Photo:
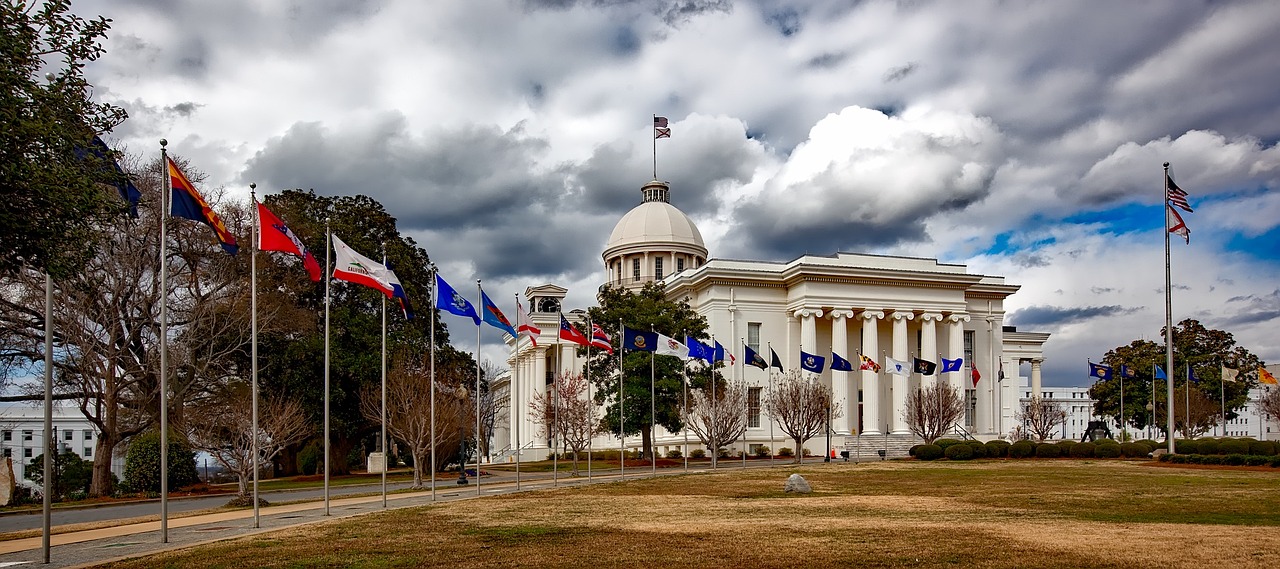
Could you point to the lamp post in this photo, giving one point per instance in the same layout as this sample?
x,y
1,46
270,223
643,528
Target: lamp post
x,y
827,455
1151,412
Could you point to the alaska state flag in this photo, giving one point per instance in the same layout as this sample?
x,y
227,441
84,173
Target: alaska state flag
x,y
1099,371
840,364
494,317
189,204
450,301
812,363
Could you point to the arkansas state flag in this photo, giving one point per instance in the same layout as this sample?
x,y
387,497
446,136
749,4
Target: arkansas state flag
x,y
189,204
599,339
570,334
273,235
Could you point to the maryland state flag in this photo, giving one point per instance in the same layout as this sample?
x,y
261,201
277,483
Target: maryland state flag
x,y
188,203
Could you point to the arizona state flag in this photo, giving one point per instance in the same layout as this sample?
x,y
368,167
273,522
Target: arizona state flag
x,y
189,204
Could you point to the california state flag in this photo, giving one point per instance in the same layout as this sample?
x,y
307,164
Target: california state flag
x,y
353,267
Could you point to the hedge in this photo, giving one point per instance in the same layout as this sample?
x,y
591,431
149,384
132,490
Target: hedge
x,y
944,443
997,448
1082,450
979,449
1135,450
1110,450
1232,446
928,452
1185,446
1022,449
1262,448
1207,446
1048,451
958,452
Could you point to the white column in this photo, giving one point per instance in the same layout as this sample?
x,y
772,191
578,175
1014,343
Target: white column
x,y
538,385
871,379
929,341
842,425
999,388
900,318
808,328
1035,377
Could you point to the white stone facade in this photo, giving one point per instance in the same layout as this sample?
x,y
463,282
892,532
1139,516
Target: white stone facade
x,y
22,436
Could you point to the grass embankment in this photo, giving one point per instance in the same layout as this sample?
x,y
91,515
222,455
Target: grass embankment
x,y
896,514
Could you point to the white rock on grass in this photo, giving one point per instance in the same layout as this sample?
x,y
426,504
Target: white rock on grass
x,y
797,484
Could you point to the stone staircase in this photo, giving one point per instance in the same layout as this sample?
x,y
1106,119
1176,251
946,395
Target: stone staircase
x,y
867,448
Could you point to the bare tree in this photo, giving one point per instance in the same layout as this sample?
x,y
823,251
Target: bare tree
x,y
932,410
493,405
1269,404
1194,413
409,407
718,420
565,414
1041,417
223,427
801,408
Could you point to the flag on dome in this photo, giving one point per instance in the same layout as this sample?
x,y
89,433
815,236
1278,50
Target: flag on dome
x,y
868,363
570,334
189,204
494,317
949,366
840,364
811,363
669,346
273,235
526,328
448,300
754,359
600,339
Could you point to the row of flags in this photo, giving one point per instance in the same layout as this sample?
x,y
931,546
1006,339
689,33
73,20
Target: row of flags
x,y
1106,373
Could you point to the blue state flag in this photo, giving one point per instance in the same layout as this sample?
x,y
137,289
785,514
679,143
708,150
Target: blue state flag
x,y
719,353
949,366
1191,376
494,317
1099,371
639,340
810,362
1127,372
450,301
1160,373
698,350
840,364
754,359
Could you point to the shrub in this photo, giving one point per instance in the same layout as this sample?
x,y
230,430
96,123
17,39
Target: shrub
x,y
785,451
697,453
142,463
1065,446
1153,444
1111,450
1256,460
958,452
928,452
1262,448
674,453
912,450
1233,459
1233,446
997,448
1275,461
1048,451
1022,449
1185,446
944,443
309,458
806,451
1135,450
71,475
1207,446
1082,450
762,451
979,449
1106,442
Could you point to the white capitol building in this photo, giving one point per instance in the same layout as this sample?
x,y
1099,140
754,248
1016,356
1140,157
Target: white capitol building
x,y
848,303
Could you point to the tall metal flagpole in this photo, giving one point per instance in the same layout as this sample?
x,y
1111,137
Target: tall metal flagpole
x,y
1122,425
328,278
746,411
653,415
684,401
772,451
164,346
1168,317
655,147
431,268
382,442
711,430
555,412
253,301
590,416
1186,394
515,387
47,507
622,432
479,294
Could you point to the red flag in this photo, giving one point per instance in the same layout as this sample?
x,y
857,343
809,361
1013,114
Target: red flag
x,y
570,334
976,376
273,235
600,339
525,327
1175,223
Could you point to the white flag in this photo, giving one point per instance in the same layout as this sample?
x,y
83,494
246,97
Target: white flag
x,y
668,346
894,366
1230,374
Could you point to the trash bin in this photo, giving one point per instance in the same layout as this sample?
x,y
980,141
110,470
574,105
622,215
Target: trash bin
x,y
881,453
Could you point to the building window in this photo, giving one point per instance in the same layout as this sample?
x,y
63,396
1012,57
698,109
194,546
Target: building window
x,y
88,435
679,264
68,435
8,452
970,410
88,452
657,268
753,407
8,435
26,453
753,336
635,269
26,435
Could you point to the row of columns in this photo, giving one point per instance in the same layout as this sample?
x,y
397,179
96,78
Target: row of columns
x,y
843,391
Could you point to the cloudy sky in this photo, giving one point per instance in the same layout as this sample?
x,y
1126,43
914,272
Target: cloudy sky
x,y
1023,139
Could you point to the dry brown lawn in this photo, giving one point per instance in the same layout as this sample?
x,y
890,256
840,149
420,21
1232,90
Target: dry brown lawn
x,y
896,514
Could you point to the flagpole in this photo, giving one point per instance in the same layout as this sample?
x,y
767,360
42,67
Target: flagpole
x,y
1186,394
479,294
431,268
386,456
1168,317
684,402
772,442
328,279
47,498
164,346
555,412
714,436
655,148
622,433
1122,426
1222,392
253,301
746,410
590,424
515,387
653,414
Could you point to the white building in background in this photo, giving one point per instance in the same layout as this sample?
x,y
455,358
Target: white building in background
x,y
22,436
845,303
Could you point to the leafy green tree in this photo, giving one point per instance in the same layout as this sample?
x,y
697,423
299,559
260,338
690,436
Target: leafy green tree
x,y
71,474
644,310
52,201
1206,350
142,462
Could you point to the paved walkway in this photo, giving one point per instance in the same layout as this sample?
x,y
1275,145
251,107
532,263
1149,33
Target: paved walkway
x,y
91,547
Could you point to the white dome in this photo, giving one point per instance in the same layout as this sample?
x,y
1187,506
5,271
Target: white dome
x,y
655,223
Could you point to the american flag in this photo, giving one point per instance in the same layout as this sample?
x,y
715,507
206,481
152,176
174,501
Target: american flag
x,y
1177,196
660,129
